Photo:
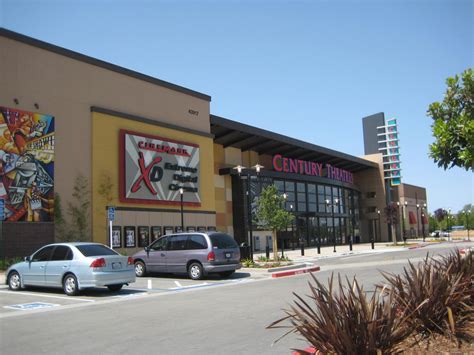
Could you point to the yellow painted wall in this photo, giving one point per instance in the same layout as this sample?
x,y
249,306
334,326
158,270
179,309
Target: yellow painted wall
x,y
105,162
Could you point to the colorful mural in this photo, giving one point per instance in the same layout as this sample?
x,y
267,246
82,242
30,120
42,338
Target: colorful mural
x,y
26,166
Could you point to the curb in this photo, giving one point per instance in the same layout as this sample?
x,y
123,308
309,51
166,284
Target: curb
x,y
296,272
418,246
284,268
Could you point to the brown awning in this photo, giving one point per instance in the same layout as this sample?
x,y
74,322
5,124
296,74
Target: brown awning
x,y
411,217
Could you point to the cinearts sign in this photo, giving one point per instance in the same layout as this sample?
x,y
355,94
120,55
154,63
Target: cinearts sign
x,y
303,167
153,169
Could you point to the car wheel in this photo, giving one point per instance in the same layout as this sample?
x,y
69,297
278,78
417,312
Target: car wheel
x,y
70,286
115,288
226,273
140,269
14,281
195,271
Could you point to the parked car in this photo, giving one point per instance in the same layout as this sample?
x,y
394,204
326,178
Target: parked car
x,y
435,234
73,267
197,254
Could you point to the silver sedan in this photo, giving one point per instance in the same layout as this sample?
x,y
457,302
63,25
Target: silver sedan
x,y
72,267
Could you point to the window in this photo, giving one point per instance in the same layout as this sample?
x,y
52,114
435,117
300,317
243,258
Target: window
x,y
177,242
371,209
95,250
62,252
371,194
160,244
197,241
43,254
222,241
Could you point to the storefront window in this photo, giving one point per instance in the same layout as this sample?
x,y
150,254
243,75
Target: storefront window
x,y
312,202
301,190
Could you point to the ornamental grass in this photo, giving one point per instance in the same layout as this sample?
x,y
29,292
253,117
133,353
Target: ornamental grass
x,y
346,320
438,293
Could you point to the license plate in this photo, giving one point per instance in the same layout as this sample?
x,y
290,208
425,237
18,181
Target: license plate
x,y
116,266
228,255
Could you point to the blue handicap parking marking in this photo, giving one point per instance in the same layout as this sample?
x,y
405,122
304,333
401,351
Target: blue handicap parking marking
x,y
30,306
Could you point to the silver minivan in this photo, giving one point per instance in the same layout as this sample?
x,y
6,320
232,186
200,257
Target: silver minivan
x,y
196,254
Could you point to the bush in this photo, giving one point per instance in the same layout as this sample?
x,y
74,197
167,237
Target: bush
x,y
346,321
248,263
7,262
438,294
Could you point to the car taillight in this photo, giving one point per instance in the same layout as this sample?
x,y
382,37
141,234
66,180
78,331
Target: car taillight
x,y
211,256
130,260
98,263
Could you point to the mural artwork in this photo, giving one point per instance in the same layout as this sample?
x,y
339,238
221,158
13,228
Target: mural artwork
x,y
26,166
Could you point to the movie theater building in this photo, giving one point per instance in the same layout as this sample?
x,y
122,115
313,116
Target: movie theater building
x,y
79,132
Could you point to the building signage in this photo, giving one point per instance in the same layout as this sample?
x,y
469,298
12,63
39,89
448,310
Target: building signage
x,y
388,146
303,167
153,169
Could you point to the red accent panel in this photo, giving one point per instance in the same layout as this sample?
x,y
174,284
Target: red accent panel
x,y
411,217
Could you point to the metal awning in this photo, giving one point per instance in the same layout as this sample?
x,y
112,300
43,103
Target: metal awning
x,y
247,138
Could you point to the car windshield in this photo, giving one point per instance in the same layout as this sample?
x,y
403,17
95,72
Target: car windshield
x,y
95,250
222,241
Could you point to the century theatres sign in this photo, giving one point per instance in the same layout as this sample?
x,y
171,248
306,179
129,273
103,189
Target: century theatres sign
x,y
153,169
303,167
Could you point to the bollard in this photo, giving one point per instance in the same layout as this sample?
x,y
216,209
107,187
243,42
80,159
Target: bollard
x,y
149,285
302,249
267,252
405,240
319,248
350,243
372,242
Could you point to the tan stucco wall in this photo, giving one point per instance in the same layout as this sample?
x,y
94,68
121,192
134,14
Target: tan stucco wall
x,y
67,88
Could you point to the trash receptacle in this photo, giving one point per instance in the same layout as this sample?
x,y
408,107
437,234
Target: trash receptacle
x,y
357,239
244,251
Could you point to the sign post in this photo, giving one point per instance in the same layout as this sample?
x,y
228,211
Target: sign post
x,y
111,218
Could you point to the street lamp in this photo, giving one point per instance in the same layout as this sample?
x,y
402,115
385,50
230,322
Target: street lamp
x,y
467,214
181,193
285,196
246,172
417,220
403,221
449,212
423,221
379,231
336,202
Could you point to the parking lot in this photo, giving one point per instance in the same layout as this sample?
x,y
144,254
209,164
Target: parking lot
x,y
44,299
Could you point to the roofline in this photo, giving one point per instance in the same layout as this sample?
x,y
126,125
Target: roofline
x,y
99,63
288,140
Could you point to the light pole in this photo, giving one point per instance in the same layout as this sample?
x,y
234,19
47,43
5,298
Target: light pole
x,y
417,220
379,231
240,169
181,193
423,220
403,221
467,214
449,213
334,204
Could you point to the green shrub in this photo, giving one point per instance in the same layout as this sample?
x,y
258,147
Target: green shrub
x,y
248,263
7,262
346,321
263,259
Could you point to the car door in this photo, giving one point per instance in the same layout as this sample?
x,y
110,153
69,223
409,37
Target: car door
x,y
59,263
34,272
156,257
177,254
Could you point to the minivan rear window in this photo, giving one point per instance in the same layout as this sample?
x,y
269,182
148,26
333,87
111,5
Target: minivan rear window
x,y
222,241
95,250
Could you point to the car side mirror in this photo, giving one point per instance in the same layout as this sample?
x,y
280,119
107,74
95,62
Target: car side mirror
x,y
27,258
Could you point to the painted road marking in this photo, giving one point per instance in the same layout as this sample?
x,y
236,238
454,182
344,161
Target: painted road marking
x,y
30,306
47,296
189,286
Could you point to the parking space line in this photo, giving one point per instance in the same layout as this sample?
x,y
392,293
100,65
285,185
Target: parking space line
x,y
47,296
189,286
178,284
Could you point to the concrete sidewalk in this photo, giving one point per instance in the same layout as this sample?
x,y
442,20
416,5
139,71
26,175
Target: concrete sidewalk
x,y
311,253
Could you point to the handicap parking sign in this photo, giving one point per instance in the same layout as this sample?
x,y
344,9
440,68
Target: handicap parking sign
x,y
111,213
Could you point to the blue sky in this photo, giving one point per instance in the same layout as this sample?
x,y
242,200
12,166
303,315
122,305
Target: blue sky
x,y
307,69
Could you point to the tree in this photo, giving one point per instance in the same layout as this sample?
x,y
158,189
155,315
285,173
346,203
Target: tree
x,y
453,126
271,215
79,209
